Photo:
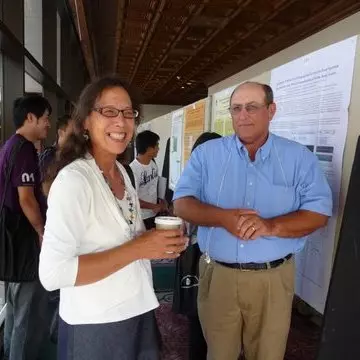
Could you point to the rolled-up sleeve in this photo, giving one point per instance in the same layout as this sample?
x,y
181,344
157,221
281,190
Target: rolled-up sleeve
x,y
190,181
315,192
66,223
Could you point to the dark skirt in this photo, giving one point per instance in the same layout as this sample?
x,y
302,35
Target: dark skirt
x,y
132,339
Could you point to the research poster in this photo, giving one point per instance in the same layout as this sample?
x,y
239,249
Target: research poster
x,y
176,141
312,94
221,118
194,123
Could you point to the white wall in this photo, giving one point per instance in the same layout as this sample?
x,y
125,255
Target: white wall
x,y
153,111
261,72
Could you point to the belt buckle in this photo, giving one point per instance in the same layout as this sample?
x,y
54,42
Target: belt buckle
x,y
242,269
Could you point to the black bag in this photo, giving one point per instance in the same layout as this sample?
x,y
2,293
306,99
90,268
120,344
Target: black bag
x,y
187,281
19,242
130,174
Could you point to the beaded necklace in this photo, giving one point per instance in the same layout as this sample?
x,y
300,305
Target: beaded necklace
x,y
131,218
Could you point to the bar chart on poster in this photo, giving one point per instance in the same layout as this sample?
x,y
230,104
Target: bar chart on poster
x,y
312,94
194,124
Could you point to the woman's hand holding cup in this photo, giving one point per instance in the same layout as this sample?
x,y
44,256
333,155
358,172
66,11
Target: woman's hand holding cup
x,y
161,244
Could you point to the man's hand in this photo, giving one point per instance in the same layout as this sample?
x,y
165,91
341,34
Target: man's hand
x,y
164,205
231,218
157,208
252,226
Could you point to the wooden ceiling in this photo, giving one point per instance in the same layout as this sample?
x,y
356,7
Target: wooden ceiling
x,y
172,50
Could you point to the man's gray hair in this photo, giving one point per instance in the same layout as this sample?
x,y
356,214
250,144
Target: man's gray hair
x,y
269,94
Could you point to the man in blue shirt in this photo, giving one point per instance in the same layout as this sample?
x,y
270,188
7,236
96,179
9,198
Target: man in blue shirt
x,y
256,197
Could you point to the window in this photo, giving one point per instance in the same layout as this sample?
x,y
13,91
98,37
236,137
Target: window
x,y
32,86
33,28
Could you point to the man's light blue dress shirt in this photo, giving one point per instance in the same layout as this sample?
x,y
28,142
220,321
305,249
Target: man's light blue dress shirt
x,y
285,177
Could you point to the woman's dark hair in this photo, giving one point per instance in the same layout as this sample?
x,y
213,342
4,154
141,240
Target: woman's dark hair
x,y
204,137
145,140
62,122
76,145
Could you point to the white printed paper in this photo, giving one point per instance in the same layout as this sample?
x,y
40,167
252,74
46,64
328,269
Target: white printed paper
x,y
312,94
176,147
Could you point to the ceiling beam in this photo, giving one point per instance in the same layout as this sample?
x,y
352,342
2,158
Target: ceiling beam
x,y
77,7
156,16
332,14
282,5
172,44
121,10
241,5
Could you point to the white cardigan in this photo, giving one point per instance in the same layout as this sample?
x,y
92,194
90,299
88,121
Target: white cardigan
x,y
83,218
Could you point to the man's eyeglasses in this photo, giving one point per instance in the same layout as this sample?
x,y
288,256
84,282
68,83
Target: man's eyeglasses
x,y
111,112
249,108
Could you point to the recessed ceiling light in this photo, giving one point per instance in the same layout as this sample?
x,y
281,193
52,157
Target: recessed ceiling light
x,y
183,87
178,77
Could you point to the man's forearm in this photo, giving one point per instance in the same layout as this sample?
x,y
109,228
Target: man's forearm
x,y
31,209
198,213
297,224
147,205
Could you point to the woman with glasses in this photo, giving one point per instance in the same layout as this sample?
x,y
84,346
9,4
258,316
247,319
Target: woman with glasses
x,y
94,248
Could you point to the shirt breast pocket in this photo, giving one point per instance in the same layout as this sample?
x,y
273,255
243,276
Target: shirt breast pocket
x,y
277,200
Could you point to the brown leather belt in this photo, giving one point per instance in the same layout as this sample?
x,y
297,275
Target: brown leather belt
x,y
256,266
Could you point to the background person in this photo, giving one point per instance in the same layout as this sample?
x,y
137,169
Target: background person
x,y
26,322
187,280
146,173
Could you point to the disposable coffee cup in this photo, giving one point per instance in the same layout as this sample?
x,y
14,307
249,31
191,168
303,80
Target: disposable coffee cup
x,y
168,223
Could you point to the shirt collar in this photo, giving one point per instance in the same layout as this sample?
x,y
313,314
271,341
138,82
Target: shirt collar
x,y
264,151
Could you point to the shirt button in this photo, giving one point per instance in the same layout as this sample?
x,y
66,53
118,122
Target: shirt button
x,y
248,203
250,183
241,245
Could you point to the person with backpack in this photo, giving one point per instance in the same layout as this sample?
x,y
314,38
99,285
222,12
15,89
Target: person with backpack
x,y
187,280
146,174
22,219
64,127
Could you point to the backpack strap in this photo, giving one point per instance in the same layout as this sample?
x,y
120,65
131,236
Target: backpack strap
x,y
130,174
9,168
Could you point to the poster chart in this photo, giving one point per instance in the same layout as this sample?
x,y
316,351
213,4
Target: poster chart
x,y
221,118
312,94
194,123
176,141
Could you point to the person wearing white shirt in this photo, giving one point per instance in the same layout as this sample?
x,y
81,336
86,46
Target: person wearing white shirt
x,y
146,174
94,247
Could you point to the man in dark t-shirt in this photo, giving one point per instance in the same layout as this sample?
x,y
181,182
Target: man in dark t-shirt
x,y
26,323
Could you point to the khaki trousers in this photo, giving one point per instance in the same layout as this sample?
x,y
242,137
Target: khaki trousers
x,y
245,308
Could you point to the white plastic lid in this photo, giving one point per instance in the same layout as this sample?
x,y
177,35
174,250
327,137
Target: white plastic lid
x,y
168,220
